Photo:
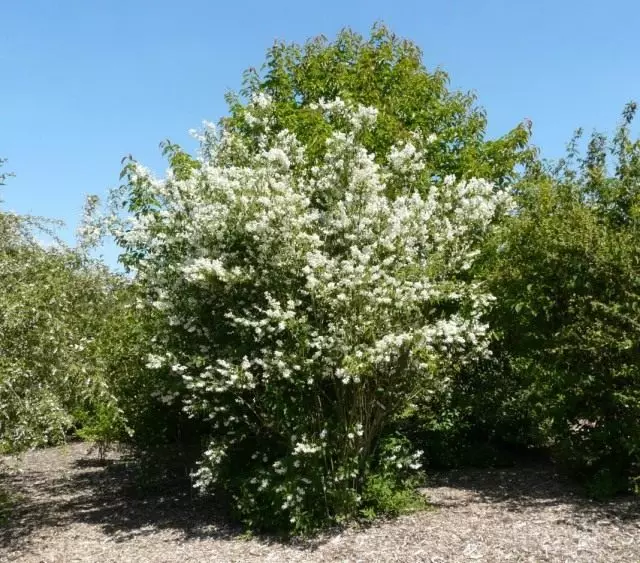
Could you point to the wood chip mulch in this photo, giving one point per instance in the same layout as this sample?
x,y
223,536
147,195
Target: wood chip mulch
x,y
71,508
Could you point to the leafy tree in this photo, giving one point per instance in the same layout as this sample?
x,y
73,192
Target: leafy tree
x,y
385,72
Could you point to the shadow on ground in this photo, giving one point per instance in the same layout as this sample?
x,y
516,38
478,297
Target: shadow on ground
x,y
61,487
528,488
70,488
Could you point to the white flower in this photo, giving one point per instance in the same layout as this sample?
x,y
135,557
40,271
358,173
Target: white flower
x,y
154,361
261,100
201,268
305,448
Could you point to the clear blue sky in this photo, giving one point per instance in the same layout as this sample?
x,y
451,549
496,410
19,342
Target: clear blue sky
x,y
86,82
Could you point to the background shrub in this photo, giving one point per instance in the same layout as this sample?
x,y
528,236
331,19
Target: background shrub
x,y
57,351
564,270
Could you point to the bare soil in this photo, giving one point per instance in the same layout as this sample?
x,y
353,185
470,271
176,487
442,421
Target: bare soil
x,y
73,508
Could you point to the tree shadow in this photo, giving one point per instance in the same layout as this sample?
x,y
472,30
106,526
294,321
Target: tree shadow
x,y
109,494
114,495
528,488
122,498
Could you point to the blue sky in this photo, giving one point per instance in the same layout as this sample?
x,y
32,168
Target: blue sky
x,y
86,82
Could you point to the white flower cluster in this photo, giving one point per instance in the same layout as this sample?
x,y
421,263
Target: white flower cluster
x,y
398,459
358,117
306,300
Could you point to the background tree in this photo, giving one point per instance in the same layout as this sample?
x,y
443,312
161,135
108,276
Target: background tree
x,y
56,348
385,72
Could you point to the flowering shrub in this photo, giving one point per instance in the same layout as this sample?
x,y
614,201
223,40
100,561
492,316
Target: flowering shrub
x,y
306,304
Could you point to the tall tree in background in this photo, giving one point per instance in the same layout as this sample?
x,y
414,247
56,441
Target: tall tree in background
x,y
385,72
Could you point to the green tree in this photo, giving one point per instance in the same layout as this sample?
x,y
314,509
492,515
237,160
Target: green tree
x,y
385,72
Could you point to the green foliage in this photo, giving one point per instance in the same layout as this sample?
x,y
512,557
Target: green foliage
x,y
565,372
103,426
133,411
566,276
391,488
385,72
486,417
73,342
35,385
55,348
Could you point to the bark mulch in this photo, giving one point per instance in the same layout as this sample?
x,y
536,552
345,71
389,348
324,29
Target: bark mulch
x,y
72,508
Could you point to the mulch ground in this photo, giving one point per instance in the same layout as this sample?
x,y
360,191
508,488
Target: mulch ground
x,y
72,508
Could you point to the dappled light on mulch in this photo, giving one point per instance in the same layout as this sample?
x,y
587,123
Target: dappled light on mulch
x,y
70,507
